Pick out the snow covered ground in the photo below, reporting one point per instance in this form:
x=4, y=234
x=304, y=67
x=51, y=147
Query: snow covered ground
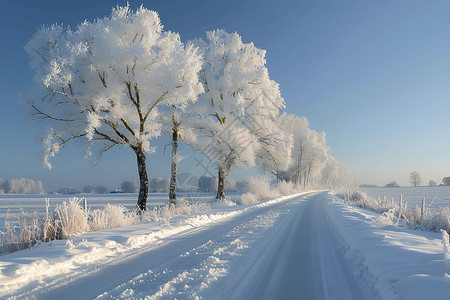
x=306, y=246
x=437, y=197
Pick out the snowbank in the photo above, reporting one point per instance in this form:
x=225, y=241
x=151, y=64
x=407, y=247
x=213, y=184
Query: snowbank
x=398, y=263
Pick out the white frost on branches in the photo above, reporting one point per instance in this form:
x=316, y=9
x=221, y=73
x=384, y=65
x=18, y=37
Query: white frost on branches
x=106, y=80
x=238, y=101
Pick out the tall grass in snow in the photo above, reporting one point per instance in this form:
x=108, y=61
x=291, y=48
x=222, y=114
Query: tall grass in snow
x=397, y=212
x=71, y=218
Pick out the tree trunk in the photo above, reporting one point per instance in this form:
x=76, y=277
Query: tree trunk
x=309, y=173
x=143, y=181
x=304, y=179
x=173, y=177
x=299, y=162
x=221, y=184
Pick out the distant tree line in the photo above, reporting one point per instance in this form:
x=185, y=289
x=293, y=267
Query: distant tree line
x=392, y=184
x=416, y=181
x=21, y=186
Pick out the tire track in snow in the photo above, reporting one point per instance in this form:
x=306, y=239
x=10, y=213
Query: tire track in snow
x=221, y=256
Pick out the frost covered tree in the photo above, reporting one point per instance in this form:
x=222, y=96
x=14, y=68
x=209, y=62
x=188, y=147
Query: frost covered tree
x=238, y=96
x=129, y=186
x=99, y=189
x=176, y=123
x=312, y=153
x=21, y=186
x=159, y=185
x=297, y=127
x=275, y=152
x=414, y=178
x=308, y=153
x=105, y=81
x=336, y=175
x=446, y=181
x=392, y=184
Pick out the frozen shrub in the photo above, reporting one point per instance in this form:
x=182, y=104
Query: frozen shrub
x=286, y=188
x=437, y=220
x=20, y=232
x=413, y=216
x=386, y=218
x=362, y=200
x=260, y=189
x=182, y=207
x=248, y=198
x=71, y=219
x=112, y=216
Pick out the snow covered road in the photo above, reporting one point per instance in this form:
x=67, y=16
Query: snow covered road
x=283, y=250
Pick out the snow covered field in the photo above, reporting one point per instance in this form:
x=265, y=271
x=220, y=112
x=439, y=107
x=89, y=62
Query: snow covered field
x=435, y=197
x=13, y=205
x=300, y=247
x=30, y=203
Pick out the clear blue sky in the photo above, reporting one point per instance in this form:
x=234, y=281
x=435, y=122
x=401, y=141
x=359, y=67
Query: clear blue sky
x=374, y=75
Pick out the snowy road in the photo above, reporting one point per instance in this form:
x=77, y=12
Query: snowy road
x=285, y=250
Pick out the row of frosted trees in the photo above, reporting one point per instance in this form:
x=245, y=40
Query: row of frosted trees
x=122, y=81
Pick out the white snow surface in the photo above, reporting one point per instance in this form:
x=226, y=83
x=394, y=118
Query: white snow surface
x=305, y=246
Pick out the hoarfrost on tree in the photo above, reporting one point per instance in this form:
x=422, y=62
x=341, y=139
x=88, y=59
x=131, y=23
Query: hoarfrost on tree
x=105, y=81
x=239, y=96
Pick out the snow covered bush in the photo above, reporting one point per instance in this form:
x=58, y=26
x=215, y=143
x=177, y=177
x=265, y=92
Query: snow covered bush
x=363, y=200
x=111, y=217
x=71, y=218
x=20, y=232
x=248, y=198
x=286, y=188
x=258, y=188
x=437, y=220
x=166, y=212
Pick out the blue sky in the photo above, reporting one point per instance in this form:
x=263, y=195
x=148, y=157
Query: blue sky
x=374, y=75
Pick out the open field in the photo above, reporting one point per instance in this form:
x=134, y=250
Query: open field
x=435, y=197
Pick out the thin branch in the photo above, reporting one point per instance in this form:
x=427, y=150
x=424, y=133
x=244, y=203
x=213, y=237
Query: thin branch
x=154, y=104
x=127, y=126
x=47, y=116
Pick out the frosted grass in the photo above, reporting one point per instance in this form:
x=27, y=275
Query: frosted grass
x=436, y=198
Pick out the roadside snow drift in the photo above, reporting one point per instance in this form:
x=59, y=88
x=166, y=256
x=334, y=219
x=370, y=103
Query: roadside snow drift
x=398, y=263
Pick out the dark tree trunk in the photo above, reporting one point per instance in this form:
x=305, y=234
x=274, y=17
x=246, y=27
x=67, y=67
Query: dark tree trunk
x=309, y=173
x=221, y=184
x=173, y=177
x=299, y=163
x=143, y=181
x=304, y=179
